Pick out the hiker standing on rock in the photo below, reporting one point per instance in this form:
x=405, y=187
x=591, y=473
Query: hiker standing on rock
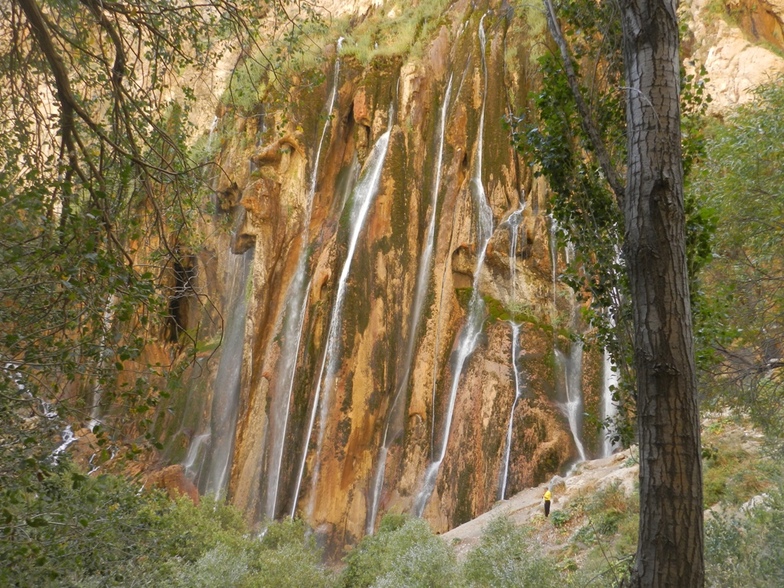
x=547, y=497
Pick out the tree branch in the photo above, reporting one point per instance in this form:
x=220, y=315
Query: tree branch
x=586, y=120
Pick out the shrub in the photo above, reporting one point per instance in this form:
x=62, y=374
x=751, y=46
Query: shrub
x=506, y=557
x=559, y=518
x=403, y=553
x=220, y=567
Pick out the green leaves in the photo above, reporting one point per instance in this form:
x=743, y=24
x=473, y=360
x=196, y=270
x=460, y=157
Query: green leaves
x=740, y=181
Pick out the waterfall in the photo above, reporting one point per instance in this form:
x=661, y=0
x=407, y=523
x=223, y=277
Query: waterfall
x=291, y=331
x=571, y=366
x=361, y=199
x=554, y=258
x=422, y=282
x=609, y=408
x=214, y=472
x=68, y=437
x=108, y=317
x=472, y=329
x=518, y=394
x=514, y=221
x=196, y=454
x=213, y=128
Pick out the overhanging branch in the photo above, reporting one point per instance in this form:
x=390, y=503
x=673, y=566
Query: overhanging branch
x=586, y=120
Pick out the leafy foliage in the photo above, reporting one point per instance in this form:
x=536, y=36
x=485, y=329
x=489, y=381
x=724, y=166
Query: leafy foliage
x=404, y=552
x=741, y=180
x=75, y=530
x=97, y=191
x=586, y=216
x=747, y=549
x=508, y=557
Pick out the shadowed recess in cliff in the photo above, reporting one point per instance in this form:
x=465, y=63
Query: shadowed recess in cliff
x=360, y=202
x=469, y=334
x=212, y=475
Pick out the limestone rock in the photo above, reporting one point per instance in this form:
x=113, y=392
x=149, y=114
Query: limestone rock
x=173, y=480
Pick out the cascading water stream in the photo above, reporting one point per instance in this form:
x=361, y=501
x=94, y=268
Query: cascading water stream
x=361, y=199
x=195, y=456
x=518, y=394
x=472, y=329
x=213, y=475
x=213, y=128
x=609, y=408
x=514, y=221
x=68, y=438
x=108, y=317
x=571, y=366
x=291, y=330
x=422, y=283
x=554, y=258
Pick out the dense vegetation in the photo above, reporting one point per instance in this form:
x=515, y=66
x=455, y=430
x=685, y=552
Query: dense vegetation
x=85, y=531
x=71, y=229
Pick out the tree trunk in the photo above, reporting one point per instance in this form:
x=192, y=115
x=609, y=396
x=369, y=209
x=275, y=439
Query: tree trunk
x=670, y=546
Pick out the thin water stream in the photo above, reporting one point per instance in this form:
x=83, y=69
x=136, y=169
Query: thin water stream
x=291, y=329
x=609, y=408
x=213, y=475
x=518, y=395
x=394, y=424
x=472, y=329
x=361, y=199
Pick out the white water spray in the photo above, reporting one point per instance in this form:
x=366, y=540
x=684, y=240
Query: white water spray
x=213, y=477
x=609, y=408
x=362, y=198
x=472, y=329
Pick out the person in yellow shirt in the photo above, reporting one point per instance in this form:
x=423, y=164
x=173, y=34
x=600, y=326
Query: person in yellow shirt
x=547, y=497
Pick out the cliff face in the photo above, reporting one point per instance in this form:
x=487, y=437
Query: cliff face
x=399, y=297
x=393, y=335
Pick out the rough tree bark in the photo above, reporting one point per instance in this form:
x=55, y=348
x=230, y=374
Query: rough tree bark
x=670, y=543
x=670, y=546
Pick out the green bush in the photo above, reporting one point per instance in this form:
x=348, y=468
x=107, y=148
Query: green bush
x=287, y=557
x=74, y=530
x=559, y=518
x=506, y=557
x=404, y=552
x=747, y=549
x=220, y=567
